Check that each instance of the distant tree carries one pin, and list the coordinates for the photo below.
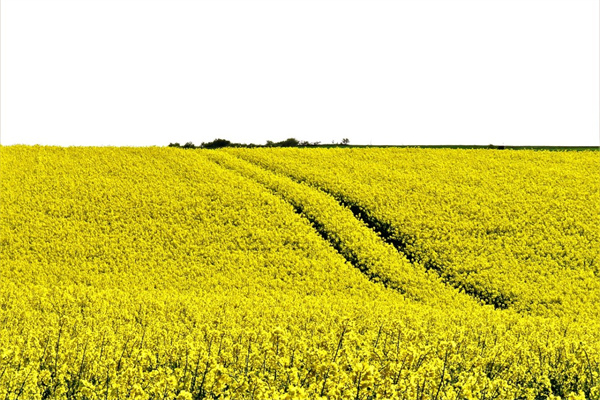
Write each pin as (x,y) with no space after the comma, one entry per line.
(189,145)
(345,141)
(216,144)
(174,144)
(307,143)
(291,142)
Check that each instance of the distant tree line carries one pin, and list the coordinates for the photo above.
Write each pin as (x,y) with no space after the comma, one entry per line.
(220,143)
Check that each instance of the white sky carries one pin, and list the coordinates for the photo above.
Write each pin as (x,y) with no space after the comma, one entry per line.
(143,72)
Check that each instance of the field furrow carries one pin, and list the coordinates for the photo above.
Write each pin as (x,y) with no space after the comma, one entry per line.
(519,229)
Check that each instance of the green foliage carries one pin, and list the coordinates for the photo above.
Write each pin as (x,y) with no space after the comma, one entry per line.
(216,144)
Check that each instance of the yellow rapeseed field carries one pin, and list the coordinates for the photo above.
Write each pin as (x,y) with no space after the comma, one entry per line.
(517,229)
(162,273)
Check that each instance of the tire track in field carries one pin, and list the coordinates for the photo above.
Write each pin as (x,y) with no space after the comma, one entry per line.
(402,243)
(361,245)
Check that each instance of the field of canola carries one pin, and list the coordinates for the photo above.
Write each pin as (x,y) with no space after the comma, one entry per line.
(162,273)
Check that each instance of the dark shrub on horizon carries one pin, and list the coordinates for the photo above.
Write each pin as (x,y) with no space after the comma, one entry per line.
(217,144)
